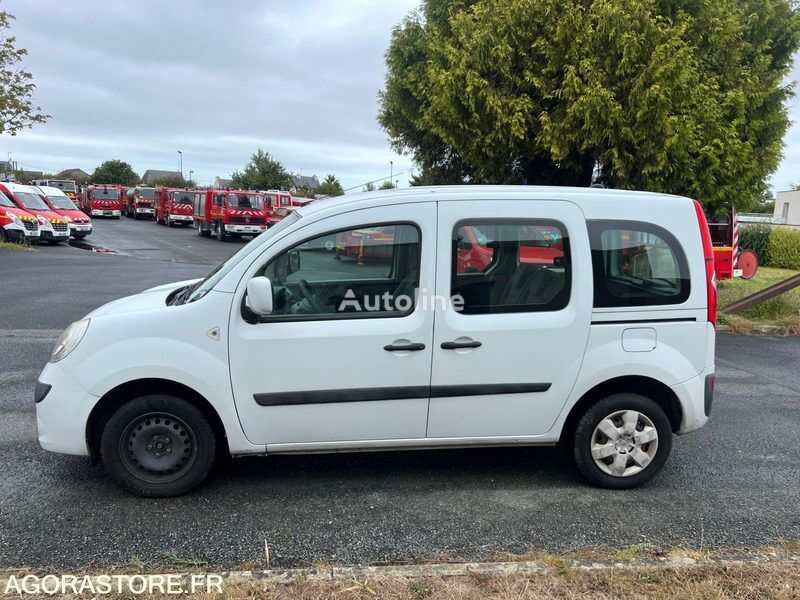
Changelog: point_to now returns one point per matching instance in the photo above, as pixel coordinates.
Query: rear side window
(507, 266)
(637, 264)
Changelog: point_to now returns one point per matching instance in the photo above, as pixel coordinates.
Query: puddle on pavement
(87, 246)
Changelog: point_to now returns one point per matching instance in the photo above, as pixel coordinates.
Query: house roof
(300, 181)
(154, 174)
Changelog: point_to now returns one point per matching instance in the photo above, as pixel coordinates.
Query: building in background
(222, 184)
(304, 181)
(152, 175)
(787, 208)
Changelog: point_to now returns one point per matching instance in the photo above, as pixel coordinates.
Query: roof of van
(580, 196)
(51, 191)
(18, 187)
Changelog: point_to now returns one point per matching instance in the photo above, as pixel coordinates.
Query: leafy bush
(784, 248)
(755, 237)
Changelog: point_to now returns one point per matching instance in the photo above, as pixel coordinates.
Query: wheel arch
(129, 390)
(651, 388)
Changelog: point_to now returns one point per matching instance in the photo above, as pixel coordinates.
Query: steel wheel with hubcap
(158, 446)
(622, 441)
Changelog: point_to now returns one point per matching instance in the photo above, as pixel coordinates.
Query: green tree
(172, 182)
(115, 172)
(675, 96)
(262, 173)
(330, 186)
(368, 187)
(386, 185)
(17, 110)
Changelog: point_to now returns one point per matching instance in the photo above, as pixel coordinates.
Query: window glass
(637, 264)
(511, 266)
(4, 201)
(365, 272)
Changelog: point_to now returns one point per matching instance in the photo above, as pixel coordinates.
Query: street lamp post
(391, 171)
(181, 155)
(190, 175)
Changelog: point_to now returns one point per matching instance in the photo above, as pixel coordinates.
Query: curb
(439, 570)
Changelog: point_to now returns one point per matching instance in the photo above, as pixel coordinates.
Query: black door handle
(404, 347)
(458, 345)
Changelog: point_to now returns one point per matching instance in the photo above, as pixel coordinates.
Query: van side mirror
(259, 296)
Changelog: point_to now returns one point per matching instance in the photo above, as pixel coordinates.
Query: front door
(507, 350)
(346, 355)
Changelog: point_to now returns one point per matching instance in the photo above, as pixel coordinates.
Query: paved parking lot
(736, 482)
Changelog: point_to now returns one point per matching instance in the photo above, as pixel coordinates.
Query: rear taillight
(708, 255)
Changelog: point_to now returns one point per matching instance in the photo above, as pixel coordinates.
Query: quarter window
(502, 266)
(637, 264)
(368, 271)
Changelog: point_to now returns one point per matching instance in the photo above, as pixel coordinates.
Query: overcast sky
(141, 79)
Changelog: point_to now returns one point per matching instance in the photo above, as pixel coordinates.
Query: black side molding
(42, 389)
(395, 393)
(636, 321)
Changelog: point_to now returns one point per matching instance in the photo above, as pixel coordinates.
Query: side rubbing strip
(395, 393)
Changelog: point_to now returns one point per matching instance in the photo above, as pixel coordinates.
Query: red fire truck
(102, 200)
(730, 260)
(174, 206)
(229, 213)
(139, 202)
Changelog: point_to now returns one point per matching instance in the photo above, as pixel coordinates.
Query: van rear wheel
(622, 441)
(158, 446)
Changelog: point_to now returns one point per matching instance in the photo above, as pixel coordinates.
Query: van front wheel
(622, 441)
(158, 446)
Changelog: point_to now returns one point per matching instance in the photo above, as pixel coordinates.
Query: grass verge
(16, 246)
(778, 316)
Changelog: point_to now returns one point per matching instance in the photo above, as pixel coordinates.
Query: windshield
(205, 286)
(246, 201)
(4, 201)
(64, 186)
(105, 194)
(31, 201)
(147, 192)
(183, 198)
(62, 202)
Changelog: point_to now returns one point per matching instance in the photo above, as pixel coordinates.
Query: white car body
(208, 348)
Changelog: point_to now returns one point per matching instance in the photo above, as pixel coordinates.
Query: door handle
(404, 347)
(459, 345)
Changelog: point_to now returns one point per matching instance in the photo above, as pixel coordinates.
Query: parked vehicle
(80, 225)
(102, 200)
(53, 228)
(608, 348)
(278, 215)
(16, 225)
(174, 206)
(229, 213)
(140, 202)
(69, 187)
(729, 259)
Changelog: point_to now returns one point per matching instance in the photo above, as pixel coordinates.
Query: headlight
(68, 219)
(69, 340)
(15, 219)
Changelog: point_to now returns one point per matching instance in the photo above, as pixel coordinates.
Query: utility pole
(190, 175)
(391, 170)
(181, 155)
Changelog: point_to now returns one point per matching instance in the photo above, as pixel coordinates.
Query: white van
(438, 318)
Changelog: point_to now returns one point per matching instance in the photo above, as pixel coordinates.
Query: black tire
(147, 470)
(168, 222)
(221, 232)
(585, 432)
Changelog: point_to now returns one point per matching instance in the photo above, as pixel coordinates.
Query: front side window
(370, 271)
(637, 264)
(502, 266)
(4, 201)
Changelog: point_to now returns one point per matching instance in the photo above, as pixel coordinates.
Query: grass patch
(782, 311)
(16, 246)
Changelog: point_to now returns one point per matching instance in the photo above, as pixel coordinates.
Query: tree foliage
(172, 182)
(679, 96)
(115, 172)
(368, 187)
(330, 186)
(262, 173)
(386, 185)
(17, 110)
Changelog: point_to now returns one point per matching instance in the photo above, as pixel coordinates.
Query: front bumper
(143, 210)
(105, 213)
(16, 233)
(80, 229)
(181, 218)
(48, 234)
(245, 228)
(63, 413)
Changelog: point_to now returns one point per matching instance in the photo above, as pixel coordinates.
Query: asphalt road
(736, 482)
